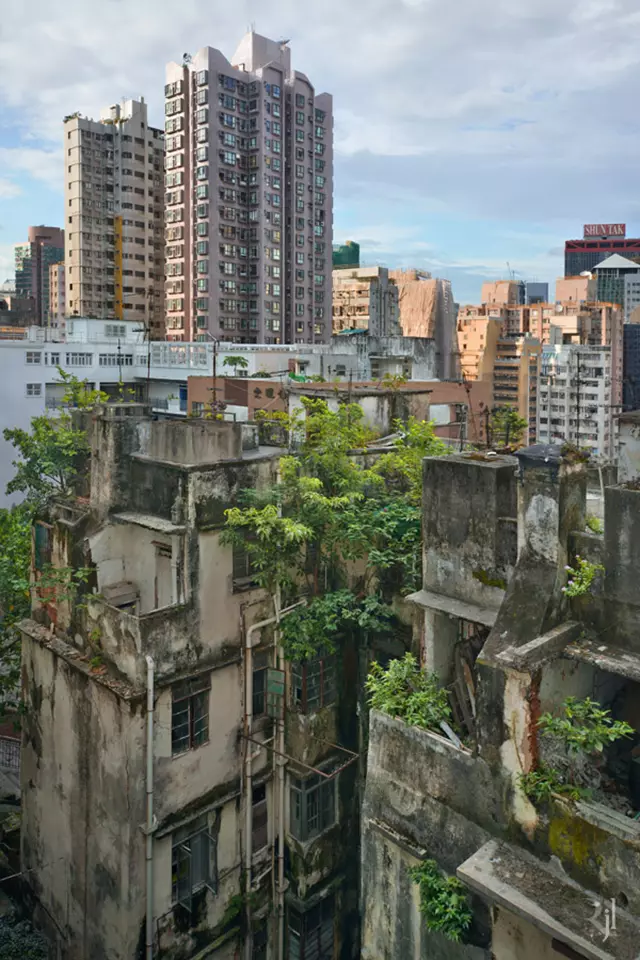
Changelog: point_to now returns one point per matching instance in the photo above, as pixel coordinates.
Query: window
(311, 933)
(312, 806)
(259, 817)
(313, 683)
(190, 713)
(300, 100)
(193, 855)
(114, 359)
(34, 356)
(34, 389)
(79, 359)
(243, 566)
(42, 545)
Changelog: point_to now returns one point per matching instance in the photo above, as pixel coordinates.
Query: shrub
(403, 690)
(443, 901)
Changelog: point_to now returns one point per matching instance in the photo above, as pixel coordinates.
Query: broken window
(311, 933)
(190, 713)
(260, 667)
(193, 861)
(313, 683)
(42, 545)
(313, 806)
(244, 569)
(259, 817)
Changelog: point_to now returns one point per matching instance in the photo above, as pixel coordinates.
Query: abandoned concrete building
(544, 880)
(174, 805)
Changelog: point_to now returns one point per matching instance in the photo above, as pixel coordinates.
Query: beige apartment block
(114, 216)
(501, 291)
(427, 309)
(508, 361)
(57, 297)
(365, 299)
(249, 197)
(576, 288)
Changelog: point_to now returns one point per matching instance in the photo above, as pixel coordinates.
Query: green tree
(401, 468)
(15, 597)
(506, 427)
(238, 363)
(78, 393)
(49, 457)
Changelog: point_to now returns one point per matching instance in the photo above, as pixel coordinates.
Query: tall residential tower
(114, 240)
(249, 190)
(44, 247)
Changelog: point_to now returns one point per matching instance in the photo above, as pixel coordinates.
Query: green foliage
(540, 784)
(388, 532)
(444, 902)
(18, 941)
(312, 630)
(506, 427)
(594, 524)
(49, 457)
(402, 468)
(238, 363)
(393, 381)
(78, 393)
(274, 542)
(585, 726)
(15, 597)
(403, 690)
(581, 577)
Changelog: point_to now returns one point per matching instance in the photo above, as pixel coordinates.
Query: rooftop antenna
(283, 43)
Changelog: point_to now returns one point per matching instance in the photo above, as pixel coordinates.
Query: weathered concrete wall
(186, 778)
(192, 441)
(423, 798)
(469, 505)
(82, 803)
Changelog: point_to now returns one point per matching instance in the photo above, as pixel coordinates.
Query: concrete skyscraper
(249, 191)
(114, 205)
(44, 247)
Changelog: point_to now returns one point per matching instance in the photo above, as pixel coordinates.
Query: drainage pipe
(150, 820)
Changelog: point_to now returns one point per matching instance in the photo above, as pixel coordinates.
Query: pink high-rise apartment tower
(249, 197)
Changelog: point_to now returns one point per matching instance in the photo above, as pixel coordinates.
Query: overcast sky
(468, 133)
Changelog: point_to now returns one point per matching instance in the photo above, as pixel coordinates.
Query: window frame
(195, 693)
(300, 937)
(324, 678)
(182, 853)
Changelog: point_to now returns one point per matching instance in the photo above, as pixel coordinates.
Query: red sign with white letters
(604, 230)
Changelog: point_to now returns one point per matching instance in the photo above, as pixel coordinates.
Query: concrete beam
(556, 905)
(545, 647)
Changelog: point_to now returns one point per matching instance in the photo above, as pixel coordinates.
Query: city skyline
(474, 171)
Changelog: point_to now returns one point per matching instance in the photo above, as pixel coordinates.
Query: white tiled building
(578, 398)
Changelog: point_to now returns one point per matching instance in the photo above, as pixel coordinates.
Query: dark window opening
(312, 806)
(259, 817)
(310, 934)
(193, 861)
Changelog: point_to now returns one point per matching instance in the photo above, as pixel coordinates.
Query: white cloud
(40, 164)
(481, 108)
(9, 189)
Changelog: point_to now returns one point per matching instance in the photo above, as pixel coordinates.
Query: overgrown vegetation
(50, 454)
(594, 524)
(506, 428)
(405, 691)
(18, 941)
(444, 902)
(582, 730)
(580, 578)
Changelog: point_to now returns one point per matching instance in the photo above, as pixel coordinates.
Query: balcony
(126, 639)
